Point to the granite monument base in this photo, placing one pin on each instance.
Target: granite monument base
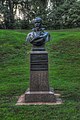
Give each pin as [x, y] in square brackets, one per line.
[39, 96]
[39, 91]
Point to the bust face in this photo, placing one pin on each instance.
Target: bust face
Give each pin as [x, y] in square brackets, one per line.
[37, 22]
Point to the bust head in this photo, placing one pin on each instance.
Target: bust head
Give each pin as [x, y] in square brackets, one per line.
[37, 22]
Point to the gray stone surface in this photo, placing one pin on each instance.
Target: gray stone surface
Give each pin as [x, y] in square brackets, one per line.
[39, 81]
[39, 85]
[38, 61]
[40, 96]
[21, 101]
[39, 91]
[39, 71]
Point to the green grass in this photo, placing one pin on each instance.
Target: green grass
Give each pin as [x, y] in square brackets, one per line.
[64, 75]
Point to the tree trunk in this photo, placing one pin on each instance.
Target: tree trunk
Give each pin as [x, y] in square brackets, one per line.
[11, 6]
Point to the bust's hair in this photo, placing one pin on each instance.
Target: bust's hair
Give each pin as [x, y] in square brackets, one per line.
[37, 19]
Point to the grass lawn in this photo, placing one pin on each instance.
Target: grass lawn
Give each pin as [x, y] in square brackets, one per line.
[64, 75]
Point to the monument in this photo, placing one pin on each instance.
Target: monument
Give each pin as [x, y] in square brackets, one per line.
[39, 90]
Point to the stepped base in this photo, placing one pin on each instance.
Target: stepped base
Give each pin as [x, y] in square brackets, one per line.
[39, 98]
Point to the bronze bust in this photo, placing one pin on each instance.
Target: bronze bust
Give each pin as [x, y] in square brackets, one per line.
[38, 36]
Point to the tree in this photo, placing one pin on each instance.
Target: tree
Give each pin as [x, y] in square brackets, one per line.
[61, 13]
[64, 14]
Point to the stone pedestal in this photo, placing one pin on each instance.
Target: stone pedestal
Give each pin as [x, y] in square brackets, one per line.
[39, 71]
[39, 90]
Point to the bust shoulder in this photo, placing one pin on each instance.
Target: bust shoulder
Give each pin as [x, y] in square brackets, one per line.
[29, 36]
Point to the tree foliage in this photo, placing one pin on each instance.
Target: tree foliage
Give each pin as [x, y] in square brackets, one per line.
[56, 14]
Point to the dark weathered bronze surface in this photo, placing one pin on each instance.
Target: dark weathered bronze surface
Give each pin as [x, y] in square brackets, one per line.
[38, 36]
